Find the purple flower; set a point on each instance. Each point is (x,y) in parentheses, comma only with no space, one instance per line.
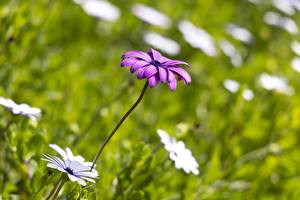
(155,67)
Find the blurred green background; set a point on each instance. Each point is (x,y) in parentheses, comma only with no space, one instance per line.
(57,57)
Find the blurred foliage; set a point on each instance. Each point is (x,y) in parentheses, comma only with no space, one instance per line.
(56,57)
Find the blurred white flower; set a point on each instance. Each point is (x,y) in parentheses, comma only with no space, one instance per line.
(285,23)
(230,51)
(182,156)
(163,43)
(74,166)
(285,6)
(197,38)
(255,1)
(100,8)
(21,109)
(231,85)
(151,16)
(296,4)
(248,94)
(296,64)
(239,33)
(295,46)
(276,83)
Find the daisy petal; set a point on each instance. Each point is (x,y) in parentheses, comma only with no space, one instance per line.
(162,74)
(69,153)
(55,167)
(59,150)
(140,72)
(88,179)
(153,81)
(89,164)
(171,76)
(175,62)
(81,181)
(150,71)
(79,158)
(155,54)
(72,178)
(138,65)
(55,160)
(79,167)
(181,73)
(163,59)
(128,62)
(87,174)
(137,54)
(172,80)
(195,171)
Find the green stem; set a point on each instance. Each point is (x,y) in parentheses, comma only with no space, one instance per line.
(54,189)
(58,189)
(95,117)
(120,123)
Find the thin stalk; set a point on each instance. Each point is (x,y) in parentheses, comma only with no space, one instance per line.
(54,189)
(58,189)
(120,123)
(96,115)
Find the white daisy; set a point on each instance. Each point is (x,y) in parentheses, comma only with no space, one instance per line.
(296,64)
(248,94)
(163,43)
(285,23)
(277,83)
(151,15)
(100,9)
(182,156)
(286,6)
(21,109)
(231,85)
(295,46)
(198,38)
(230,51)
(239,33)
(74,166)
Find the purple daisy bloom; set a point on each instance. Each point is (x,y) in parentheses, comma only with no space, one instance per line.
(155,67)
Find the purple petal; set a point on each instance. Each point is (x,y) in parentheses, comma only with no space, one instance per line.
(163,59)
(172,85)
(154,54)
(172,80)
(163,74)
(175,62)
(137,54)
(153,81)
(171,76)
(182,74)
(140,72)
(138,65)
(128,62)
(150,71)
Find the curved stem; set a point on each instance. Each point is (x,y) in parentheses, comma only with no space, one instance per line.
(96,114)
(54,189)
(58,189)
(120,123)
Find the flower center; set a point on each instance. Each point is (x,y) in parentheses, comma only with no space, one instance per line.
(70,171)
(155,63)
